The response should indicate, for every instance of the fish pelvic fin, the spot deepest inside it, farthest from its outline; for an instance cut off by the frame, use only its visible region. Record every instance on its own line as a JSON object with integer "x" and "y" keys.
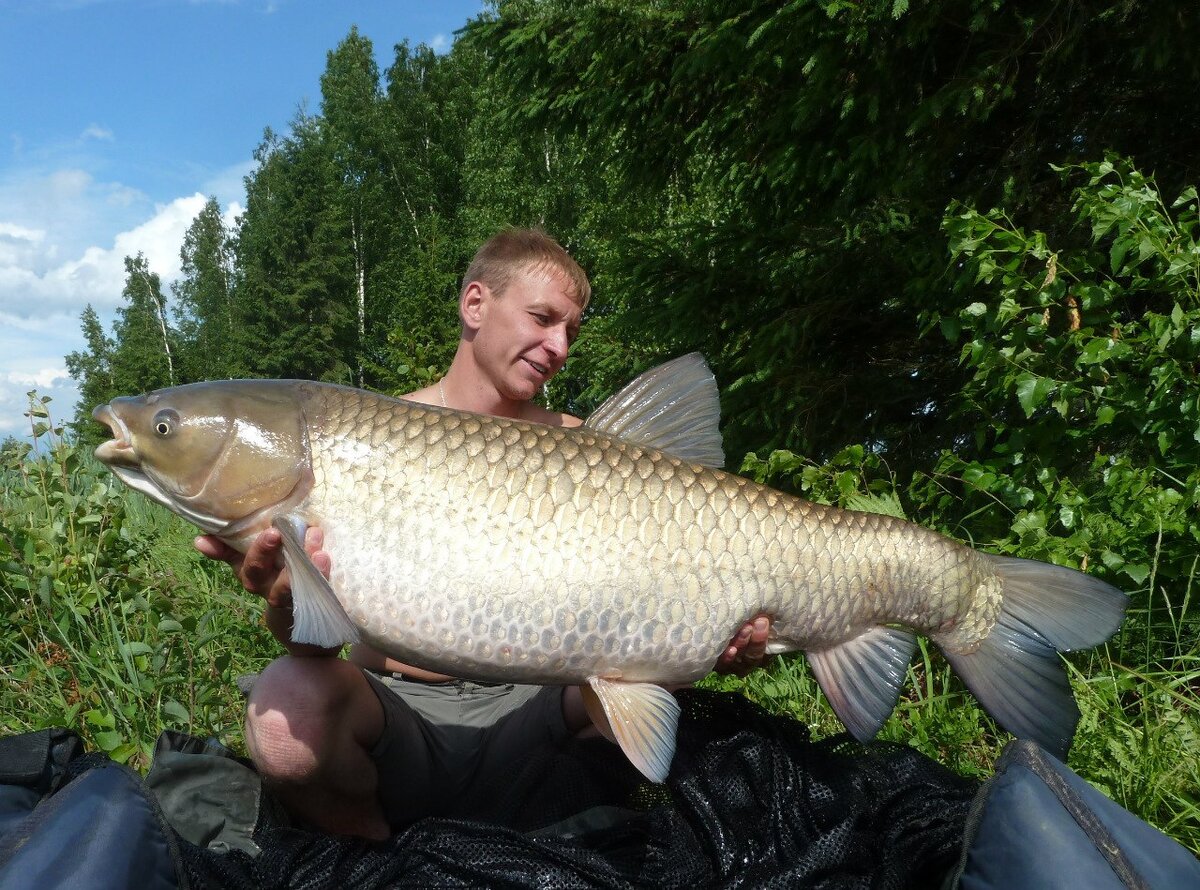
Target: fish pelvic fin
{"x": 642, "y": 718}
{"x": 1016, "y": 672}
{"x": 862, "y": 677}
{"x": 674, "y": 408}
{"x": 317, "y": 616}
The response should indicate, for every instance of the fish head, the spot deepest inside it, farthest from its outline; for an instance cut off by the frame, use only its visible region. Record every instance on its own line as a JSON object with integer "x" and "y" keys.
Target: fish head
{"x": 221, "y": 454}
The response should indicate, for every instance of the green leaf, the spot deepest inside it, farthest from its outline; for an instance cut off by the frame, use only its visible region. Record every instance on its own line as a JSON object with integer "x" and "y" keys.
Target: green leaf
{"x": 976, "y": 309}
{"x": 1096, "y": 351}
{"x": 1187, "y": 196}
{"x": 1139, "y": 573}
{"x": 100, "y": 719}
{"x": 847, "y": 482}
{"x": 1112, "y": 560}
{"x": 1117, "y": 254}
{"x": 1032, "y": 391}
{"x": 885, "y": 502}
{"x": 1105, "y": 415}
{"x": 108, "y": 741}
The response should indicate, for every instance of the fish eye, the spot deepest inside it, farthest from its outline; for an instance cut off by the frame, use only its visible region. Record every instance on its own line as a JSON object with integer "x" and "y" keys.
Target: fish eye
{"x": 165, "y": 423}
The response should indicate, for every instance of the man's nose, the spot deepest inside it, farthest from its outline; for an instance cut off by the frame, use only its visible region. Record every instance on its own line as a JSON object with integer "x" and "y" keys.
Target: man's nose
{"x": 557, "y": 341}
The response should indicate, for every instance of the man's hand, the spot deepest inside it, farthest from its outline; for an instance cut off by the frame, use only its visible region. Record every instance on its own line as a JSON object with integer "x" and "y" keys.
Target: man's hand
{"x": 747, "y": 650}
{"x": 260, "y": 570}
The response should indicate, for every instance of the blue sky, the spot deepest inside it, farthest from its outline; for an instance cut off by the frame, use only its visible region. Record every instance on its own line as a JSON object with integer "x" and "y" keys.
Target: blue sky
{"x": 119, "y": 117}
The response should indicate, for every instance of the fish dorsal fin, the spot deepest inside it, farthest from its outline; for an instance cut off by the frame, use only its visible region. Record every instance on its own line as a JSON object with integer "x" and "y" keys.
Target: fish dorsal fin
{"x": 640, "y": 717}
{"x": 862, "y": 677}
{"x": 674, "y": 408}
{"x": 318, "y": 617}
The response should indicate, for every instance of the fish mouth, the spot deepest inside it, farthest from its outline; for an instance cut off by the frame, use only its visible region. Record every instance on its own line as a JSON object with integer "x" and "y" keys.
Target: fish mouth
{"x": 118, "y": 449}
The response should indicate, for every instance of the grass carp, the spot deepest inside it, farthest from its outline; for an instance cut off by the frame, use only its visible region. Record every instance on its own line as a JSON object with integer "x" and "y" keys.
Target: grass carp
{"x": 614, "y": 555}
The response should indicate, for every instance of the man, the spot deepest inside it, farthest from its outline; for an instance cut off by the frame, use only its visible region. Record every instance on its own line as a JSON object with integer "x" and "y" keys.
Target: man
{"x": 363, "y": 745}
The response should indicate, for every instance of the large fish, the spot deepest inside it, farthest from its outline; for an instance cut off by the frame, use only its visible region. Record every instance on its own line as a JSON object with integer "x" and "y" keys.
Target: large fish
{"x": 614, "y": 555}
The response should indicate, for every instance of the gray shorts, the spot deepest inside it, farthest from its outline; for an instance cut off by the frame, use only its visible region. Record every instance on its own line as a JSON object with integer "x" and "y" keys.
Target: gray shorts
{"x": 443, "y": 741}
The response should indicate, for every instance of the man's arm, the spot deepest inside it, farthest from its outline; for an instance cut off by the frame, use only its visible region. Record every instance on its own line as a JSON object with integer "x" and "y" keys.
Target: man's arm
{"x": 260, "y": 573}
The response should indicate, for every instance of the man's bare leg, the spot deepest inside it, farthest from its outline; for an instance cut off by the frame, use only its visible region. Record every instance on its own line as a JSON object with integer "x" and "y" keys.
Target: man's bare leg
{"x": 310, "y": 726}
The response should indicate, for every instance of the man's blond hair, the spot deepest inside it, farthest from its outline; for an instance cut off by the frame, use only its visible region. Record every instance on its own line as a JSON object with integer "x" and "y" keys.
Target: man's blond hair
{"x": 512, "y": 251}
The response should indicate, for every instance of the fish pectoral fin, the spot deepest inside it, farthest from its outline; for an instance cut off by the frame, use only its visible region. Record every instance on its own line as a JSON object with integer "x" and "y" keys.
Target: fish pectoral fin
{"x": 863, "y": 676}
{"x": 595, "y": 712}
{"x": 640, "y": 717}
{"x": 317, "y": 616}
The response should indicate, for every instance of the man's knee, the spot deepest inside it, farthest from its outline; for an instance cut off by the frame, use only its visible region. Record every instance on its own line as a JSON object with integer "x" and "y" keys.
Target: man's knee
{"x": 304, "y": 710}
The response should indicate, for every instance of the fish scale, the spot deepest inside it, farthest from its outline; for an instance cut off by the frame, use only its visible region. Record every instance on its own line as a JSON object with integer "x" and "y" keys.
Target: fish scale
{"x": 590, "y": 525}
{"x": 613, "y": 555}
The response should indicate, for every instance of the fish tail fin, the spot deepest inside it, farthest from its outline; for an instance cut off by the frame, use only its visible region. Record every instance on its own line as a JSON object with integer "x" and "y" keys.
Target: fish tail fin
{"x": 1016, "y": 672}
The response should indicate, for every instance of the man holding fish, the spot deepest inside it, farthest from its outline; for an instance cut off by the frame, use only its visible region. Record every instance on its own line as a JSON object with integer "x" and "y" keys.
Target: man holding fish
{"x": 613, "y": 556}
{"x": 363, "y": 745}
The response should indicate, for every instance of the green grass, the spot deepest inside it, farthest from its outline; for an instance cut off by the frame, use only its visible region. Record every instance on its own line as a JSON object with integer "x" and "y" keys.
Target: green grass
{"x": 113, "y": 625}
{"x": 110, "y": 622}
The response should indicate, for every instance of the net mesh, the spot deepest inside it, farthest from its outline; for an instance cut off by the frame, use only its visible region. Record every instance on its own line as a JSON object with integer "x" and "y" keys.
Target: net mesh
{"x": 751, "y": 801}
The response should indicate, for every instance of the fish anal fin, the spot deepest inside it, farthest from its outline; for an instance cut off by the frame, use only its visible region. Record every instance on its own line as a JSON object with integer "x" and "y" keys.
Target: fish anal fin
{"x": 642, "y": 718}
{"x": 862, "y": 677}
{"x": 318, "y": 617}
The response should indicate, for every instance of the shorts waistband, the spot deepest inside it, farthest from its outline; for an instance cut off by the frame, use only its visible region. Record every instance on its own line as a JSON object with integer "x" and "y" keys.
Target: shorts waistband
{"x": 408, "y": 678}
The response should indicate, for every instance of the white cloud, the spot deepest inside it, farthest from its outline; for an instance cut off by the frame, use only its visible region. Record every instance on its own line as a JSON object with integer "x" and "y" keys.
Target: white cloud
{"x": 35, "y": 280}
{"x": 43, "y": 378}
{"x": 15, "y": 231}
{"x": 441, "y": 43}
{"x": 71, "y": 208}
{"x": 95, "y": 131}
{"x": 55, "y": 258}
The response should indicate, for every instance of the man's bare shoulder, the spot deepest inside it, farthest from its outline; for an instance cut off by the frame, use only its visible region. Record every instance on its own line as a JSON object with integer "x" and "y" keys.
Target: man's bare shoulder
{"x": 426, "y": 396}
{"x": 538, "y": 414}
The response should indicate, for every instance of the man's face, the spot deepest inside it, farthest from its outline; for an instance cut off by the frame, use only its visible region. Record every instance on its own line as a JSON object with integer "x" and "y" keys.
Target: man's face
{"x": 524, "y": 335}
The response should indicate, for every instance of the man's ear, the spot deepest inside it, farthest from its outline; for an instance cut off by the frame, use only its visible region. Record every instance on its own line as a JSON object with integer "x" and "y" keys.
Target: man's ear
{"x": 472, "y": 305}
